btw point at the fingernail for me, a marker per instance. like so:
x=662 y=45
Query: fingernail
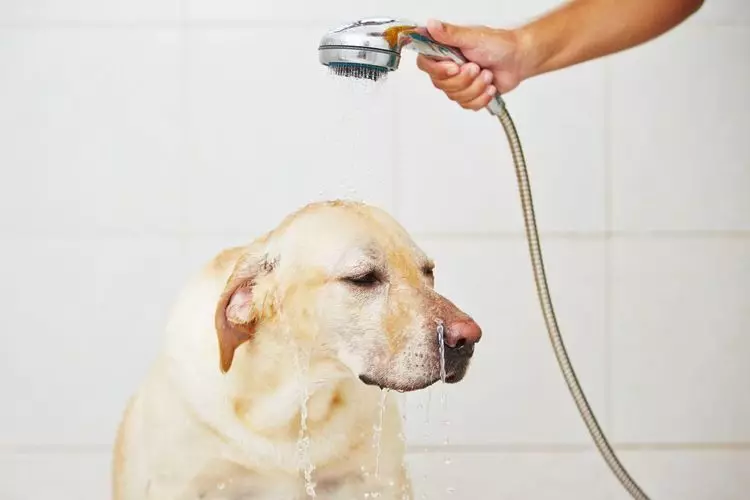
x=434 y=25
x=491 y=90
x=487 y=76
x=473 y=70
x=451 y=69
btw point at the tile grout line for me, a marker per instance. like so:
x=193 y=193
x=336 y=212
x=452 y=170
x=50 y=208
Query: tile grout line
x=548 y=448
x=118 y=233
x=184 y=113
x=579 y=448
x=169 y=22
x=608 y=264
x=183 y=20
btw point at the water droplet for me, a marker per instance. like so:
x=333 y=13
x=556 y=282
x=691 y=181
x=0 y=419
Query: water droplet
x=450 y=490
x=448 y=461
x=222 y=486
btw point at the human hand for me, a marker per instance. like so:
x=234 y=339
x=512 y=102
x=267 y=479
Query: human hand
x=496 y=63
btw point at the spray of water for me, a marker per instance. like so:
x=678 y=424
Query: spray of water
x=355 y=107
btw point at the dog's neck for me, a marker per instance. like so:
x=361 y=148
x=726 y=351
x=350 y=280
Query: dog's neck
x=271 y=384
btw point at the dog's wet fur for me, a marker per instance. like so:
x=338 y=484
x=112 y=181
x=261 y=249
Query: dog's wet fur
x=218 y=415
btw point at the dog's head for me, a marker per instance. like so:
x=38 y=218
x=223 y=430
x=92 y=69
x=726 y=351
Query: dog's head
x=349 y=278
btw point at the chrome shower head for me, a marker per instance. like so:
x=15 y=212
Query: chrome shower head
x=371 y=48
x=368 y=48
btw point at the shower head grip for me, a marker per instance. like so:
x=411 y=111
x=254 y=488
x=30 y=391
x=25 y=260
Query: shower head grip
x=423 y=44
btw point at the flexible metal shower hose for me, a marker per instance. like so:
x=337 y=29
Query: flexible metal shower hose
x=537 y=263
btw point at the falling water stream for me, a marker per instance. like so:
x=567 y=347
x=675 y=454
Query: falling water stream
x=350 y=93
x=378 y=431
x=377 y=436
x=302 y=362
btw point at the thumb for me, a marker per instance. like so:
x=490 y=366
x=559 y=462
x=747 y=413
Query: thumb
x=451 y=34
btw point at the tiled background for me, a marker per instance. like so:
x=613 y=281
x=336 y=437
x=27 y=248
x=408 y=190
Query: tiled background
x=137 y=138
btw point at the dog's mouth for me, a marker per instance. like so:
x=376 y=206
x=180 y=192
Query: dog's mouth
x=450 y=378
x=455 y=370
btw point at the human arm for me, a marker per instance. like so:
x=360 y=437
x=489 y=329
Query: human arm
x=583 y=30
x=573 y=33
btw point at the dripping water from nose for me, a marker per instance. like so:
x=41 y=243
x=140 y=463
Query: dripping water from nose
x=443 y=397
x=441 y=347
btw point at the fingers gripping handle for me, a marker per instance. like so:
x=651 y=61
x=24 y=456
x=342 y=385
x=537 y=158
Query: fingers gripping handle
x=429 y=47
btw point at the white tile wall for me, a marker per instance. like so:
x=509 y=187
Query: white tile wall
x=90 y=129
x=139 y=138
x=725 y=12
x=80 y=323
x=29 y=11
x=33 y=476
x=690 y=475
x=680 y=322
x=342 y=11
x=493 y=475
x=680 y=156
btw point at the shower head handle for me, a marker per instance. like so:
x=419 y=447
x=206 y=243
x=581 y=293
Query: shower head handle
x=373 y=47
x=422 y=43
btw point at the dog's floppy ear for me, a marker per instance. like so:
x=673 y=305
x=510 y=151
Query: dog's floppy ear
x=236 y=315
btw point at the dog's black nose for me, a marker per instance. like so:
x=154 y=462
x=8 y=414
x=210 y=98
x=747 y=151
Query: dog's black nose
x=462 y=333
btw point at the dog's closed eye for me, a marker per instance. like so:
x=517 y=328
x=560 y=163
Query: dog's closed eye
x=367 y=279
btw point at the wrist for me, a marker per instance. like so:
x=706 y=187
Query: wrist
x=533 y=52
x=527 y=50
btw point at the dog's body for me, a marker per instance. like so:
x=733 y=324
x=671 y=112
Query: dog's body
x=337 y=300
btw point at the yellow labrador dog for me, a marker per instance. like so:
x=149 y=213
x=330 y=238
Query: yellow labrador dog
x=331 y=307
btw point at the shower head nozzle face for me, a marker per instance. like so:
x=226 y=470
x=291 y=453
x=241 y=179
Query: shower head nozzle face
x=358 y=71
x=368 y=48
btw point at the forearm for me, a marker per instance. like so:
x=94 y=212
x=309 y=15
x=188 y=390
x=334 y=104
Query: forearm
x=582 y=30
